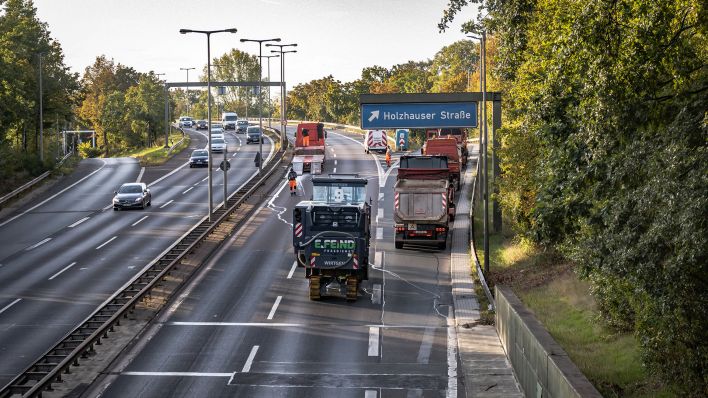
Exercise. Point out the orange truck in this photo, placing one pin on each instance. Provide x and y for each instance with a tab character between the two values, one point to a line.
446	146
459	134
309	151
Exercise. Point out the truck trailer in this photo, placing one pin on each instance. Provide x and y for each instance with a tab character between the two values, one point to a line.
309	153
423	201
447	146
331	235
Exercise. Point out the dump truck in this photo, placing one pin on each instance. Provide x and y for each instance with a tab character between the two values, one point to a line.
423	201
460	136
331	235
447	146
309	150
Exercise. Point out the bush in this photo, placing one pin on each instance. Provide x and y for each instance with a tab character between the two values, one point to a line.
87	151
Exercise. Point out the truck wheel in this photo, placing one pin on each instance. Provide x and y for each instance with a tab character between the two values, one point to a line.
315	288
399	245
442	245
352	288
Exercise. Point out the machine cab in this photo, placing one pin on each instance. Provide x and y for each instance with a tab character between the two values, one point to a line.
339	189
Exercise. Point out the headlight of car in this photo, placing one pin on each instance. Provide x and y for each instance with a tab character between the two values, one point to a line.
138	199
115	200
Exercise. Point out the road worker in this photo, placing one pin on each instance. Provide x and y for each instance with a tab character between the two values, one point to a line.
292	181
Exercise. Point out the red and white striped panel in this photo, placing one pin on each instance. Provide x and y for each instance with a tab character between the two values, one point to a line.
396	200
356	263
444	201
298	230
371	140
312	261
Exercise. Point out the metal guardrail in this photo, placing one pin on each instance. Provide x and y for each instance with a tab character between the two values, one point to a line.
30	184
50	366
480	273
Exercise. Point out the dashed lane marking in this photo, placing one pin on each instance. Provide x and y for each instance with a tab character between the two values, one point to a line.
249	361
106	242
38	244
292	270
78	222
139	221
275	307
64	269
10	305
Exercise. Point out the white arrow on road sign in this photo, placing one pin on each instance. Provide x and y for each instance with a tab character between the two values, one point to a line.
374	115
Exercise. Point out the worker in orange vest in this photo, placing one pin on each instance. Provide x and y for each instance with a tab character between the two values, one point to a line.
388	157
292	181
305	137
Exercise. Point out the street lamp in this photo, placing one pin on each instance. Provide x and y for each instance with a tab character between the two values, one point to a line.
260	97
282	84
188	101
41	110
483	141
208	35
270	113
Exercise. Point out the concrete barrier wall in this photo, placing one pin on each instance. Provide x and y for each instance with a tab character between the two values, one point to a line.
542	367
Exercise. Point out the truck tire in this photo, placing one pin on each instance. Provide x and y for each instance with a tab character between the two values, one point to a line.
352	287
442	245
315	288
399	245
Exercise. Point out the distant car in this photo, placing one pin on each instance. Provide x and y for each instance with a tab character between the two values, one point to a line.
217	135
201	125
185	121
200	157
218	145
132	195
241	126
217	128
253	134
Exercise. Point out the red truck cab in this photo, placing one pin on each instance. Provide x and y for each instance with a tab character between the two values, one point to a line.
315	132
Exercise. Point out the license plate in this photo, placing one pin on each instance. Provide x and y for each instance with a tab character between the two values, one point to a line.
412	227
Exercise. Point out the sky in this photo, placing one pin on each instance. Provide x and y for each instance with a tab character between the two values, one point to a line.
334	37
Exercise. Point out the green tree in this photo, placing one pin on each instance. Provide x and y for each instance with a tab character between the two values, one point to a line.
453	65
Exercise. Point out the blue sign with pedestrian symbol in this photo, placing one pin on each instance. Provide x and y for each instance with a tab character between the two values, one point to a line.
418	115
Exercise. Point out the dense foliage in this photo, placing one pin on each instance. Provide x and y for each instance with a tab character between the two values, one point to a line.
23	39
605	157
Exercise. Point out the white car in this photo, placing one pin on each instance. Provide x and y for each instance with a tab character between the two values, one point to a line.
218	145
217	135
186	121
217	128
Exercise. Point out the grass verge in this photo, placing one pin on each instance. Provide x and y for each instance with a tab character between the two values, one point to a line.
158	155
562	302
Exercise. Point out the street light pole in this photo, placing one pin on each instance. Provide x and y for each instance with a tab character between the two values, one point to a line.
41	111
260	97
270	112
189	105
283	104
208	35
167	116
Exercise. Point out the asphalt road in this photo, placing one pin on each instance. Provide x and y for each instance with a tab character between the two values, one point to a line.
245	326
64	254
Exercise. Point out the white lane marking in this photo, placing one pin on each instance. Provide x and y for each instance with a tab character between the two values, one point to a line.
376	294
370	394
65	268
378	259
255	324
335	170
10	305
373	341
382	180
292	270
139	221
381	195
335	162
106	242
379	214
78	222
249	361
169	174
279	210
188	189
38	244
53	196
426	346
275	307
171	200
196	183
379	233
205	178
451	355
334	154
177	374
140	176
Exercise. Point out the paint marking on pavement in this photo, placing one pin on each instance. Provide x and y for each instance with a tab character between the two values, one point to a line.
140	176
451	355
139	221
177	374
171	200
53	196
255	324
38	244
376	294
379	233
10	305
334	154
379	214
78	222
335	162
292	270
426	346
195	184
249	361
381	196
275	307
378	259
205	178
335	170
370	394
106	242
65	268
374	341
188	189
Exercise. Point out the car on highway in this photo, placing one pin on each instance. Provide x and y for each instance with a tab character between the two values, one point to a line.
218	135
200	157
185	121
218	145
253	134
241	126
132	195
201	125
217	128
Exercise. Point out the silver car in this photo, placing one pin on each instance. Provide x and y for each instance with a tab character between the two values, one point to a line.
132	195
